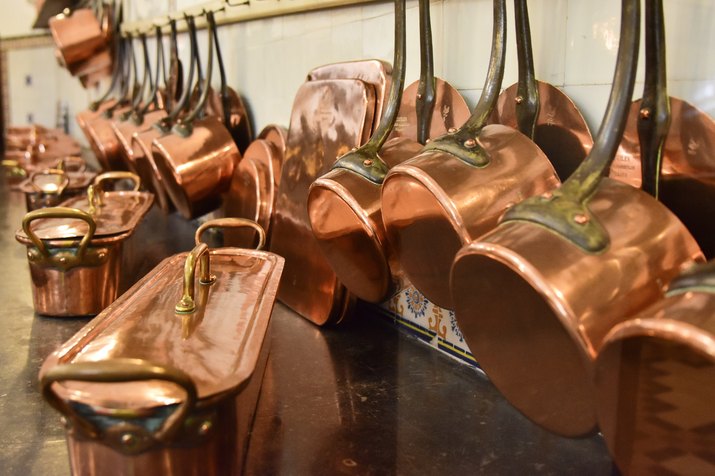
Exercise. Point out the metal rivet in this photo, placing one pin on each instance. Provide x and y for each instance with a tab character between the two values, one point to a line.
519	99
452	130
205	427
65	422
427	141
547	195
102	254
419	96
470	143
645	113
128	439
509	205
354	149
580	218
367	162
63	260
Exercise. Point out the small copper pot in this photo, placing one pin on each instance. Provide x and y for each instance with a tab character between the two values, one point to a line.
459	186
535	297
654	381
77	34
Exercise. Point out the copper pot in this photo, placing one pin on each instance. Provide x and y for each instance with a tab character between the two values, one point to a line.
458	187
540	110
535	297
77	34
654	381
49	187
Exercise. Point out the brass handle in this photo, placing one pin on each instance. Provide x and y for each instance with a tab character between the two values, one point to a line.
99	179
130	438
72	163
60	212
187	304
232	223
64	181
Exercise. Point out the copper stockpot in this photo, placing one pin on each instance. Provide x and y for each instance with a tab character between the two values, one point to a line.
77	34
75	262
535	297
458	187
680	134
166	379
540	110
344	204
654	382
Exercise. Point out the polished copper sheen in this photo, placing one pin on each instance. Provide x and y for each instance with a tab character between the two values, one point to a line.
103	140
654	382
77	35
535	297
329	118
540	110
458	187
143	158
147	388
75	258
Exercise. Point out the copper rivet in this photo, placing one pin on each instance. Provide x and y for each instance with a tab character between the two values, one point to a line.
419	96
645	113
63	259
580	218
65	422
547	195
128	439
452	130
354	149
205	427
367	162
427	141
29	255
102	254
509	205
470	143
519	99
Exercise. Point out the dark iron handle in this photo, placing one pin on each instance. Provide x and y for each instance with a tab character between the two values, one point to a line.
183	101
527	90
426	94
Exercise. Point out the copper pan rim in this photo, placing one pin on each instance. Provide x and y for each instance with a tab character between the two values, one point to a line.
376	289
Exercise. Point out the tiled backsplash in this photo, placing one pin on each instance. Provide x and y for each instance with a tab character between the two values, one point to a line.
574	44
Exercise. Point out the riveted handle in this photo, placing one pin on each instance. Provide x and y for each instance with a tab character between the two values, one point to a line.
57	188
128	438
232	223
200	253
116	175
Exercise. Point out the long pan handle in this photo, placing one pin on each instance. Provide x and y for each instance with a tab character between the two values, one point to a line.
654	115
426	94
527	90
565	211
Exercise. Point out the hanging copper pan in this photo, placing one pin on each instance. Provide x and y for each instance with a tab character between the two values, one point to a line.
685	142
252	193
654	381
344	204
197	159
77	34
535	297
456	189
540	110
329	117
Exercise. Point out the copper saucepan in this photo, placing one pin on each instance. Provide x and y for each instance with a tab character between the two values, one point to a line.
684	139
654	381
535	297
77	34
344	204
540	110
197	159
461	183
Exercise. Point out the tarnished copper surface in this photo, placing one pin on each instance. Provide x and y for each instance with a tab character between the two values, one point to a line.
561	131
238	124
654	386
120	213
535	308
223	355
329	117
77	35
196	169
144	162
374	72
434	204
687	181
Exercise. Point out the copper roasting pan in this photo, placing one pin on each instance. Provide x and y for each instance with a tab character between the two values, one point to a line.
75	259
148	389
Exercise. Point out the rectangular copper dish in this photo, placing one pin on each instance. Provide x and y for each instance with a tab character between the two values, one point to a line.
149	389
75	258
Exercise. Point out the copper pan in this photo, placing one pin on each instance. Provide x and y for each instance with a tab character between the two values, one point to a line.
535	297
683	138
344	204
329	117
540	110
77	34
197	159
654	381
456	189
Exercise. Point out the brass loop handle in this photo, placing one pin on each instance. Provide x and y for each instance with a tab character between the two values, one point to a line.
72	163
187	304
116	371
61	186
232	223
59	212
116	175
